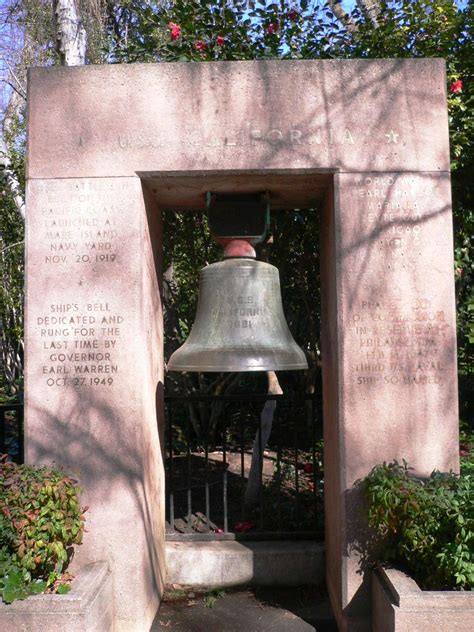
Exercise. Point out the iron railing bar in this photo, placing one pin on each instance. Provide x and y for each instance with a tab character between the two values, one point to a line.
224	482
313	442
279	480
169	409
206	461
242	465
260	473
238	398
188	458
297	482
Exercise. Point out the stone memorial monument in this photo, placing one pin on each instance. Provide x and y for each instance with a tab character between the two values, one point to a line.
108	147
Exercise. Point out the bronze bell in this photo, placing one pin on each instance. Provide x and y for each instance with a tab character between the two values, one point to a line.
239	324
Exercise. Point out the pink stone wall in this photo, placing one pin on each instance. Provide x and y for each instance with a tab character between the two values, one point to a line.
94	367
389	352
105	145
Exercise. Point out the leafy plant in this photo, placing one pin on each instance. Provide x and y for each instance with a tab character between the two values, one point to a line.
211	597
40	521
426	524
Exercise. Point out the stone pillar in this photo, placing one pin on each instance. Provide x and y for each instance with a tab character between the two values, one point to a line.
94	348
390	389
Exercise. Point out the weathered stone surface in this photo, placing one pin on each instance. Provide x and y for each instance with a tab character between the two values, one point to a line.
88	607
109	144
398	605
230	563
94	364
388	350
351	115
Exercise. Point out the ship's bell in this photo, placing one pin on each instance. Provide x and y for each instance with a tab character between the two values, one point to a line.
239	325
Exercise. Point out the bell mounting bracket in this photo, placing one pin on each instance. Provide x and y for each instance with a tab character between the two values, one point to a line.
238	221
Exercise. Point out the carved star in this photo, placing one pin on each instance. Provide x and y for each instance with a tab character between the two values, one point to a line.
392	137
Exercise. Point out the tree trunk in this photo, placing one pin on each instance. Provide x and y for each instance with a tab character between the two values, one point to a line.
71	38
11	180
266	420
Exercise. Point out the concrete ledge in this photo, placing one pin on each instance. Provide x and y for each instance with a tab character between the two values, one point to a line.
399	604
230	563
86	608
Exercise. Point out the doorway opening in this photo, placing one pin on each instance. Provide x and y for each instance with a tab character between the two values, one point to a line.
234	468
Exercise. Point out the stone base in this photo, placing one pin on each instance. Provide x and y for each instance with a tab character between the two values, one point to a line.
230	563
398	605
86	608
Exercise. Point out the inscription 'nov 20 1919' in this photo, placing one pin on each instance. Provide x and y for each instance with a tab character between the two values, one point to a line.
80	240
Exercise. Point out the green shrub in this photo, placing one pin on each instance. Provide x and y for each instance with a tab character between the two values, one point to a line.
40	521
426	524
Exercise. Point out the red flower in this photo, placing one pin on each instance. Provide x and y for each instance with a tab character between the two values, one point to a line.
456	86
242	527
200	45
220	40
292	15
218	530
272	28
308	468
175	31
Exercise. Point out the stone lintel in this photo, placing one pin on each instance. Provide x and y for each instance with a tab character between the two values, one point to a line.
350	115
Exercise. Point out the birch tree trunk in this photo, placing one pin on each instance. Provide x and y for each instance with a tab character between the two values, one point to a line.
10	178
71	38
266	420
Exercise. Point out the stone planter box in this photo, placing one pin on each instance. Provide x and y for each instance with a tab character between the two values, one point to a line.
399	605
86	608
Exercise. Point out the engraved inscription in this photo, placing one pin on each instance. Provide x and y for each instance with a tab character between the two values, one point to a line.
79	342
240	310
399	344
394	208
80	336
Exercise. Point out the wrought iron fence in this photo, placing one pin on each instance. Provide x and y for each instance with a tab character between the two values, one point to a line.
210	444
217	487
11	431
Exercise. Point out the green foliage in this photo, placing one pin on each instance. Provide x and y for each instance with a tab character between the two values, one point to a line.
40	521
211	597
426	524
